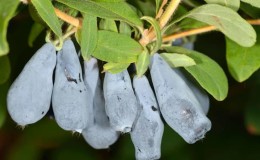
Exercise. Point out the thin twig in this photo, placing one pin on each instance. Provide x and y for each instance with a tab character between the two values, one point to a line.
69	33
67	18
188	33
148	37
160	12
163	20
254	21
200	30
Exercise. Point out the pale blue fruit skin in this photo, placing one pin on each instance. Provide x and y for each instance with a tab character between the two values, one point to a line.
71	100
29	97
148	129
120	101
99	135
91	74
200	94
179	106
90	78
202	97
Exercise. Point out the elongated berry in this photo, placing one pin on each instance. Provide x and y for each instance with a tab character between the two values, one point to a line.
29	97
121	104
99	135
178	104
71	100
198	92
148	129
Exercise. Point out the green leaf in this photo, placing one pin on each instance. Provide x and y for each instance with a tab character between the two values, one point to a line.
7	9
144	7
189	23
206	71
103	9
115	67
243	62
47	13
142	63
5	69
88	36
108	24
158	32
35	16
117	48
233	4
64	8
124	28
158	5
178	60
36	30
255	3
226	20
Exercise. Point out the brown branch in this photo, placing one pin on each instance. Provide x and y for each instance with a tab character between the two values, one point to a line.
67	18
200	30
163	20
160	12
148	37
254	21
188	33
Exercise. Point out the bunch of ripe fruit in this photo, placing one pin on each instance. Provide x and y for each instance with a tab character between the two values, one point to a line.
102	112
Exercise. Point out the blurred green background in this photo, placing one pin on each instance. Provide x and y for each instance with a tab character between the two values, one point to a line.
235	121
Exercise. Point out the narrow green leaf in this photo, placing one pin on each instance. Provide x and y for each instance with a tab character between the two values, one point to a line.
103	9
226	20
206	71
5	69
255	3
88	36
158	32
243	62
144	7
233	4
47	13
36	30
115	67
158	5
117	48
142	63
35	16
178	60
189	23
108	24
64	8
124	28
7	9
